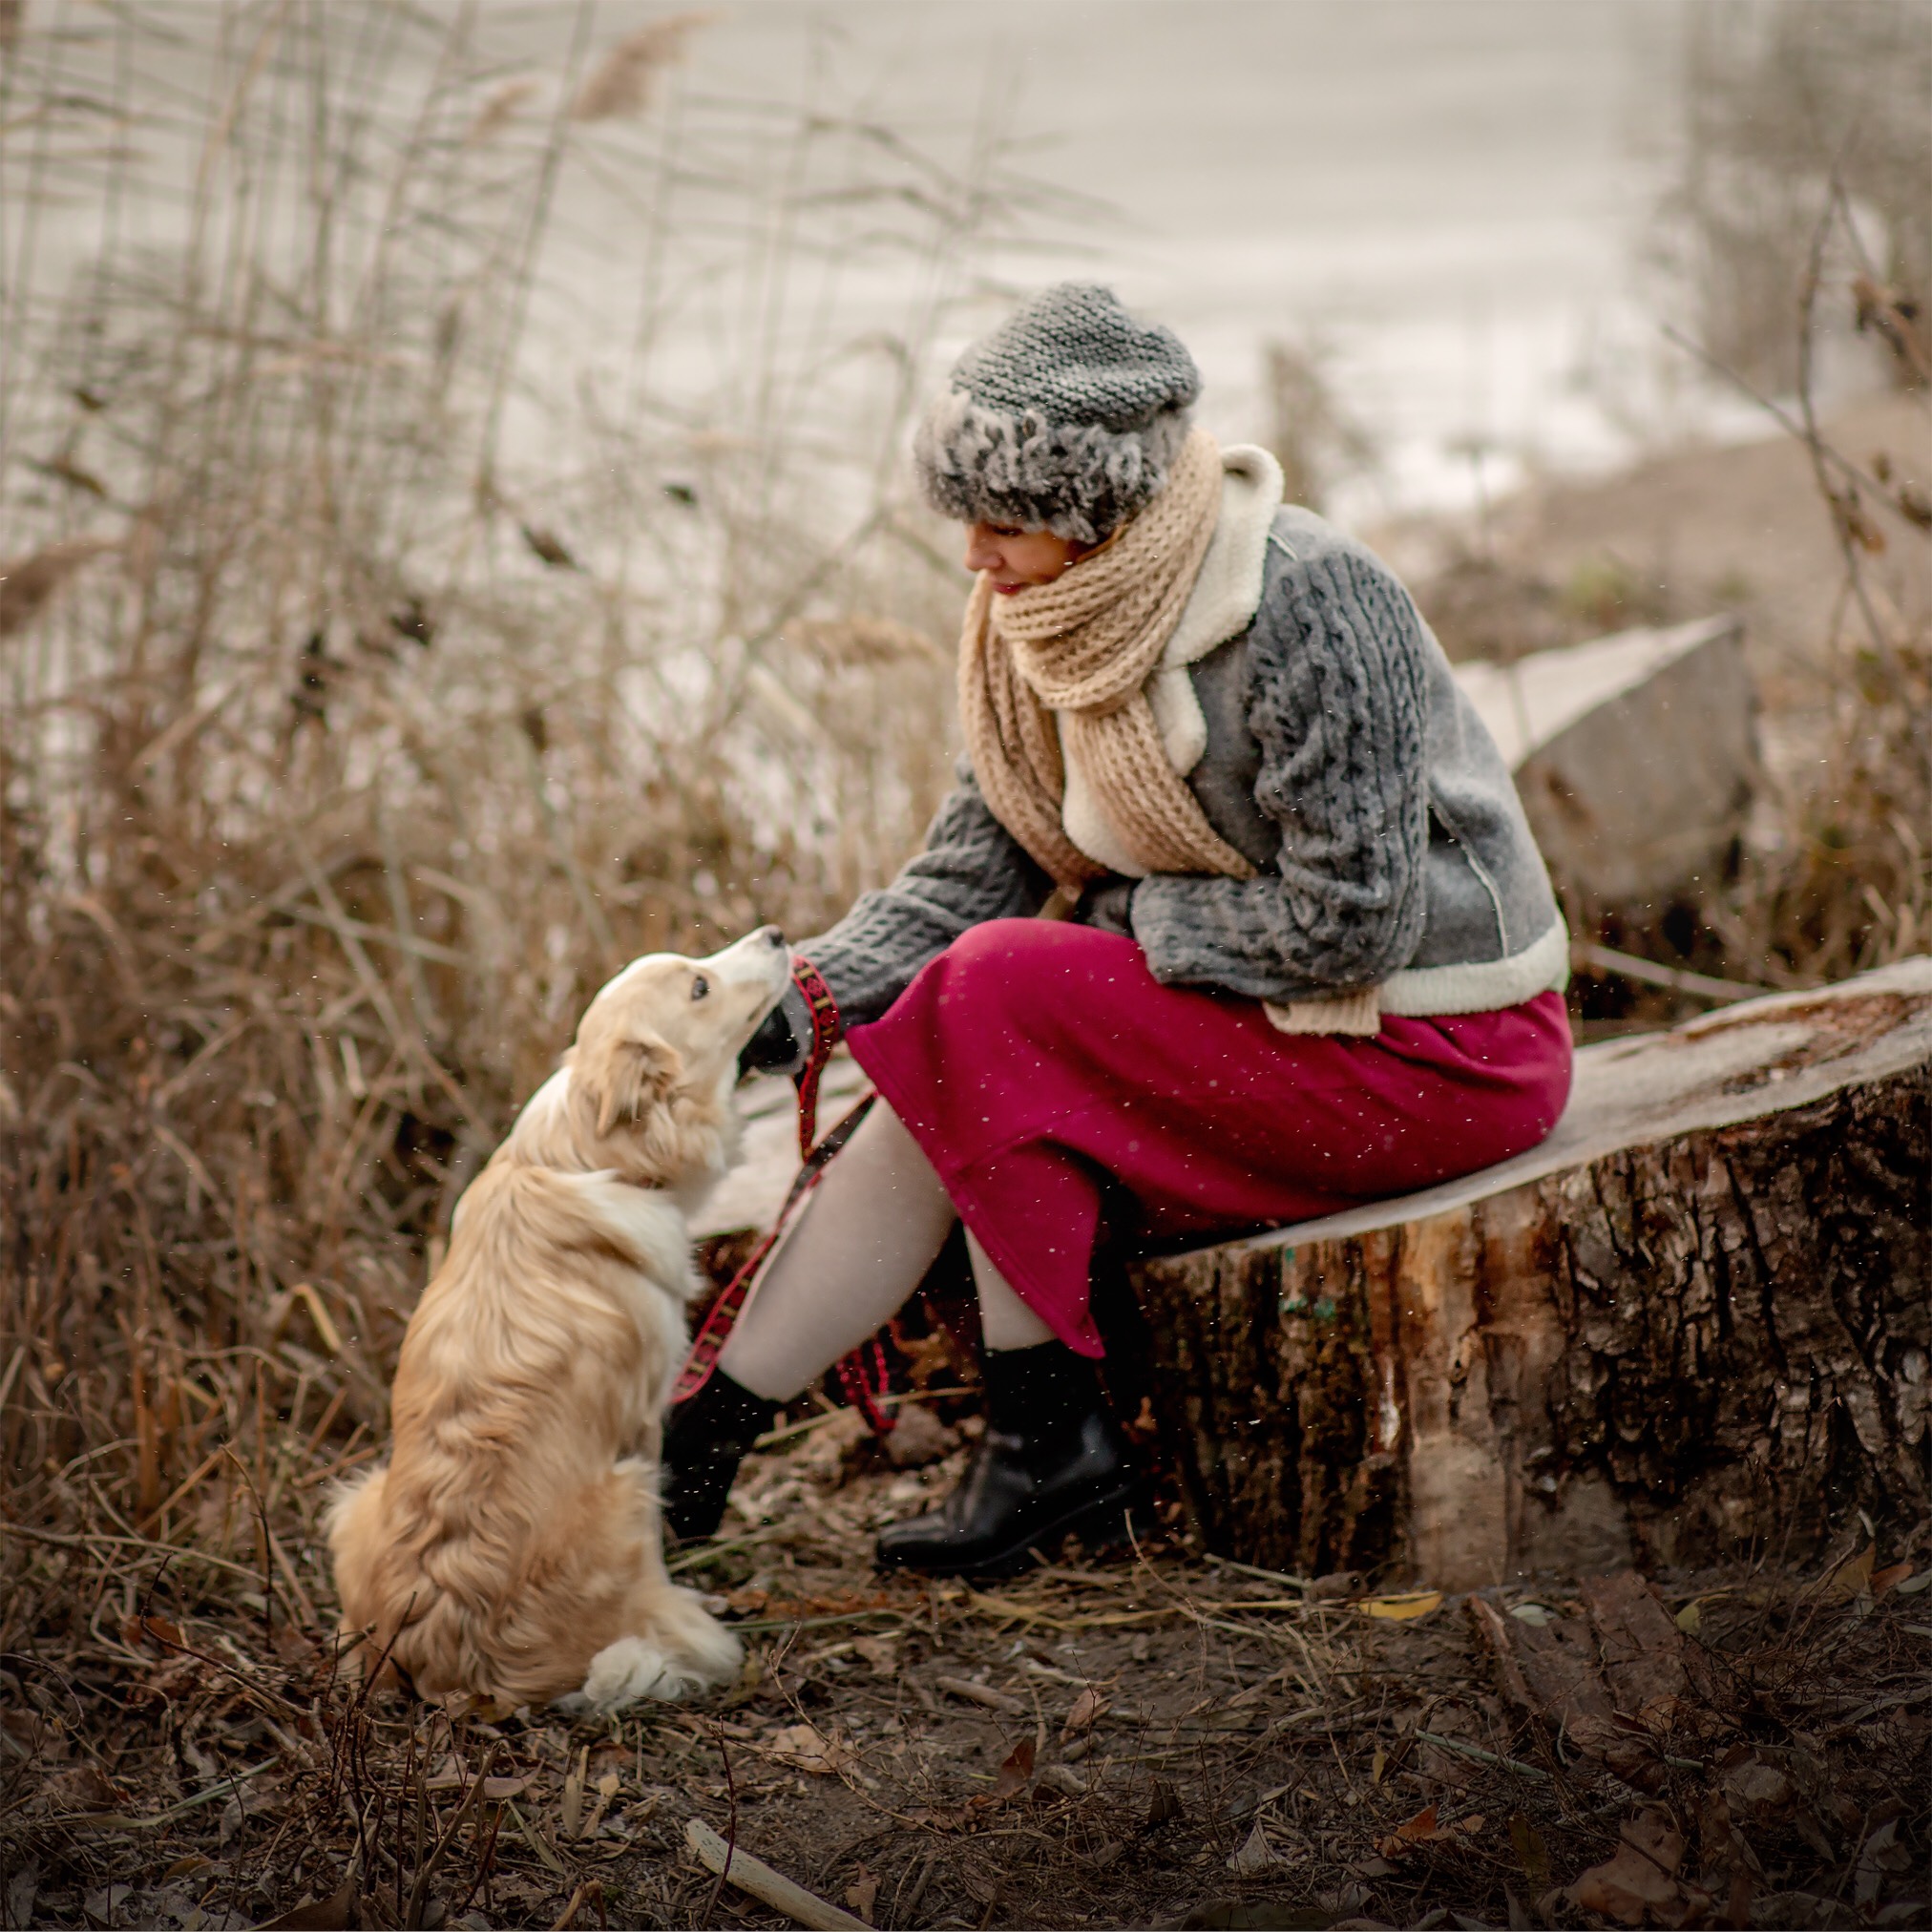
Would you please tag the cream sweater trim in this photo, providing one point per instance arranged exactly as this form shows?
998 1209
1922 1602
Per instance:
1434 992
1483 985
1226 596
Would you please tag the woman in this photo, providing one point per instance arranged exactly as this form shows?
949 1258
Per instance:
1304 955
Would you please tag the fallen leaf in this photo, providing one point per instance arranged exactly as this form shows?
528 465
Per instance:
1691 1618
320 1915
1470 1825
1531 1853
450 1775
1015 1772
1164 1806
1534 1615
1912 1586
1088 1708
1890 1578
1647 1667
247 1802
861 1894
571 1807
84 1788
1755 1787
1404 1606
882 1653
157 1632
1418 1830
21 1889
806 1748
1254 1855
1852 1578
1639 1880
1880 1853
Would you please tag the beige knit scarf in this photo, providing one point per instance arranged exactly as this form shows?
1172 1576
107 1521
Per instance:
1084 646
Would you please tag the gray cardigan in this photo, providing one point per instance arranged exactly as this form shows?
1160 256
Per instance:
1344 762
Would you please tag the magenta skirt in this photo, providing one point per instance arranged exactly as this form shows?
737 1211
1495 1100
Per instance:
1049 1078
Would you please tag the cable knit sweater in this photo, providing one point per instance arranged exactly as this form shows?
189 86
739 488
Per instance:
1343 760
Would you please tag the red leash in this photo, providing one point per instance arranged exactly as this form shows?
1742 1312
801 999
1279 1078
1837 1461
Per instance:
863 1376
824 1032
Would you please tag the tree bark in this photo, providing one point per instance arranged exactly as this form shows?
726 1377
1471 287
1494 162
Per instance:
1699 1317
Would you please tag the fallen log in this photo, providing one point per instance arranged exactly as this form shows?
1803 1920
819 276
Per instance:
1698 1318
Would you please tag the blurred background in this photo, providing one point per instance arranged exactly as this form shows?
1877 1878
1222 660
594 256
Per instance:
457 534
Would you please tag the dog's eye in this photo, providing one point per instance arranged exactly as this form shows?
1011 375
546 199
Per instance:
699 987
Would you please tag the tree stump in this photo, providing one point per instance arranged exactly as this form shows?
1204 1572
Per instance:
1698 1318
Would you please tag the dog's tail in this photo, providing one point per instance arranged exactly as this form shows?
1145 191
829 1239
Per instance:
353 1524
398 1626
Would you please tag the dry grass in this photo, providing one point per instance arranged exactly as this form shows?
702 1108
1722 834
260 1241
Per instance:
370 692
1773 104
373 687
1145 1738
353 733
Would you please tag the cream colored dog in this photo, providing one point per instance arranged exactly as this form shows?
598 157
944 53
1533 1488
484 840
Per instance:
511 1548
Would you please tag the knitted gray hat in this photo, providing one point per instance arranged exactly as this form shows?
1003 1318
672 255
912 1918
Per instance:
1065 418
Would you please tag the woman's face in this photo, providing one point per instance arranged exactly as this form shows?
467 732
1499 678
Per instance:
1016 558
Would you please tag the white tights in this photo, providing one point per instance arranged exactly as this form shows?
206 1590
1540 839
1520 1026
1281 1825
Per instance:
853 1258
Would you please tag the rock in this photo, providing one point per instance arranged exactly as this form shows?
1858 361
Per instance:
1636 756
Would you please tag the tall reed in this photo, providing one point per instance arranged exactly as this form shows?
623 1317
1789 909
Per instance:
387 656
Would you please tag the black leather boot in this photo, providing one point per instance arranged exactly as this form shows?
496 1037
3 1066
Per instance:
1051 1461
705 1439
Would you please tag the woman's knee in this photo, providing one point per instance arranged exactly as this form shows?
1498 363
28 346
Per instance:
1017 963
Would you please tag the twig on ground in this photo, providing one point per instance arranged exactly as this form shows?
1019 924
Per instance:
982 1694
1481 1757
769 1887
116 1821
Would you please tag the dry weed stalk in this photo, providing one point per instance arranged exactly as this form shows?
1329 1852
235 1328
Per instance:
623 81
1844 882
1851 888
28 582
325 805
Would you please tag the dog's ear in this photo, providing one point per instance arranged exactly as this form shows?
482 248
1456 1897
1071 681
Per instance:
625 1079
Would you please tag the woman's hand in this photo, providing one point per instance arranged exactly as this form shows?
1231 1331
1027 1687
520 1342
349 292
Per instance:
1108 907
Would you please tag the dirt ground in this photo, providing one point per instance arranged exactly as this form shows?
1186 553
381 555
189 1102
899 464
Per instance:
1147 1737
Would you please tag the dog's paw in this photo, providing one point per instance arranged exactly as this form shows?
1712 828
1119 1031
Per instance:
689 1653
624 1672
696 1640
629 1671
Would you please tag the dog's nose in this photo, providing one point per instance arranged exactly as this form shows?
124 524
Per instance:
770 934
